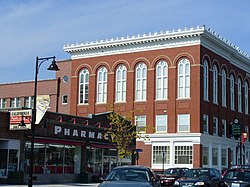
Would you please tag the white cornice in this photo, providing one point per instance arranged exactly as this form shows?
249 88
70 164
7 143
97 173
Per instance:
226 49
162 40
145 42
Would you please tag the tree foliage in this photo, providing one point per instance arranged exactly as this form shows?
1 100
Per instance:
123 132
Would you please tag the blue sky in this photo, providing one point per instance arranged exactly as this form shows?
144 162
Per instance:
30 28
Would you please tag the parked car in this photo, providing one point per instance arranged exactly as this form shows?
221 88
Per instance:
169 176
207 177
129 176
236 176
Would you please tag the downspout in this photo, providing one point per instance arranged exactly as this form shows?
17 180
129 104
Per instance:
58 93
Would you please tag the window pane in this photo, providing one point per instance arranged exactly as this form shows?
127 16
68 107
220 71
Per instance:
183 154
159 152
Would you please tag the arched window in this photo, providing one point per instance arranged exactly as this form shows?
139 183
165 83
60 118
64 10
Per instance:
102 76
205 80
84 86
239 96
215 84
232 104
184 78
141 82
224 88
121 82
161 80
246 98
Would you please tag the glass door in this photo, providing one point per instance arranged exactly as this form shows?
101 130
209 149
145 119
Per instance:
109 162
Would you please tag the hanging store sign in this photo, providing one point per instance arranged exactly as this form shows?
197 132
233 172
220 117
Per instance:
20 119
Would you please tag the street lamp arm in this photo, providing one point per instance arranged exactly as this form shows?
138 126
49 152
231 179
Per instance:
42 61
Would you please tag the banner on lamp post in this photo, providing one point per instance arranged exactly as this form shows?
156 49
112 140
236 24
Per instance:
42 104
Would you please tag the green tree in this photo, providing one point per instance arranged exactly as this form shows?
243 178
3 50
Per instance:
123 132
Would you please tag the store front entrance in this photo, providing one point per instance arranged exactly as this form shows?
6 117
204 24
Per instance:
109 162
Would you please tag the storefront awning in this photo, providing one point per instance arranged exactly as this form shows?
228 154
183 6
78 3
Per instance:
59 141
100 145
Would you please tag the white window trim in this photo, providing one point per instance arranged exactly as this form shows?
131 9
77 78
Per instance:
246 98
162 89
207 117
186 85
183 145
145 121
188 122
156 122
102 85
15 102
140 92
239 95
159 166
120 94
1 103
63 103
216 130
224 88
232 95
205 80
215 84
224 123
30 105
85 83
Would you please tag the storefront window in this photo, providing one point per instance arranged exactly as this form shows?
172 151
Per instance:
39 158
102 161
52 158
98 161
3 163
13 160
69 159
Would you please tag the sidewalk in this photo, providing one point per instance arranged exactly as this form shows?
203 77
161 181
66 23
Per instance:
52 185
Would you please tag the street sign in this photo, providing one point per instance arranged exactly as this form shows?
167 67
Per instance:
236 128
139 150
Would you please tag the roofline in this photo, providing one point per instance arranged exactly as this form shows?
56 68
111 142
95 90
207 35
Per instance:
29 81
95 47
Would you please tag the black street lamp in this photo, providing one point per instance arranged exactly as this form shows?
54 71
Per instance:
52 67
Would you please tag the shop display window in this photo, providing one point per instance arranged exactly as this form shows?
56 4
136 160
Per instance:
52 158
94 159
3 163
13 160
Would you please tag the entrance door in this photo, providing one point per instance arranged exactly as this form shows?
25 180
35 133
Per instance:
109 162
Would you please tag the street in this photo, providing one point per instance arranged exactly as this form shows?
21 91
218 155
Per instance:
53 185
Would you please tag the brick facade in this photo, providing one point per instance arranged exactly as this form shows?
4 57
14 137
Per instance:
196 45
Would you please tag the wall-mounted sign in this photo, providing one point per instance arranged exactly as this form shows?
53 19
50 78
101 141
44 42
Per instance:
20 119
236 129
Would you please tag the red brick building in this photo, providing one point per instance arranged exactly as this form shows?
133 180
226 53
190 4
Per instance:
187 86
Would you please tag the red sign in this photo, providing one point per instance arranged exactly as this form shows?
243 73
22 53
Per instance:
244 136
20 119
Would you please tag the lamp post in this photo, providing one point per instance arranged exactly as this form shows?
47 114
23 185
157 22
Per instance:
163 157
52 67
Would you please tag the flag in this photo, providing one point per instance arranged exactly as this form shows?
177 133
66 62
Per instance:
42 104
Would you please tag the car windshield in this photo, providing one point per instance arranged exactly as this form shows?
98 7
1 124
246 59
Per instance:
129 175
238 175
196 173
171 172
